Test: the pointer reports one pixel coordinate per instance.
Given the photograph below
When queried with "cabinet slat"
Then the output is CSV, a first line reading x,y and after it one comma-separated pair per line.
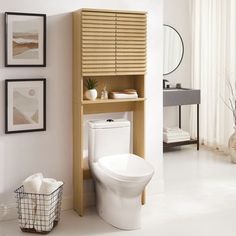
x,y
130,47
130,72
99,50
140,50
130,69
112,62
100,42
99,18
102,73
130,15
109,34
131,38
98,58
96,13
128,21
131,62
98,26
123,42
98,70
130,34
97,54
107,38
131,66
96,21
130,54
99,46
136,31
132,27
98,30
99,66
130,58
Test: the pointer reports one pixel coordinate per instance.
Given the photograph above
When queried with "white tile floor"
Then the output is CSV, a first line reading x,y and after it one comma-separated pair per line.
x,y
199,200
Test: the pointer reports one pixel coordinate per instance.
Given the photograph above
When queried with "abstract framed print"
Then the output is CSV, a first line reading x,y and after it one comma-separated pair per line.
x,y
25,39
25,105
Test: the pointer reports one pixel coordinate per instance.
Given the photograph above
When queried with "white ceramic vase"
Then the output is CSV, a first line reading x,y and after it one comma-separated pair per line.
x,y
232,146
91,94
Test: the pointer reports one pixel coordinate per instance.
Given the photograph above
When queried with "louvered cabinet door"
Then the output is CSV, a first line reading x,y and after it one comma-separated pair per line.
x,y
98,43
130,43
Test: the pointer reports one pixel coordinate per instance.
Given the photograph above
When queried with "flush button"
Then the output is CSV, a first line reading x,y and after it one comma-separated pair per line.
x,y
110,120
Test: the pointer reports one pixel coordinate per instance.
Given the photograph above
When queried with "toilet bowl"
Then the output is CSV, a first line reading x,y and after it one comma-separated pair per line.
x,y
120,177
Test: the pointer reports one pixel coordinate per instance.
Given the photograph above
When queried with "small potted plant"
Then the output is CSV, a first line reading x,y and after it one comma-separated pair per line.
x,y
91,92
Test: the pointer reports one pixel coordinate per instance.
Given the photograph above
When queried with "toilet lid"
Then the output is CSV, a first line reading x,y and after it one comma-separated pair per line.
x,y
126,166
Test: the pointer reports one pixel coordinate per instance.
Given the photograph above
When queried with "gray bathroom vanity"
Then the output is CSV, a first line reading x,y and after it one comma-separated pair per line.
x,y
179,97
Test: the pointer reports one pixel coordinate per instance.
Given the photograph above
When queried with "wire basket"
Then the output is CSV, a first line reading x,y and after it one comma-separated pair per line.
x,y
38,213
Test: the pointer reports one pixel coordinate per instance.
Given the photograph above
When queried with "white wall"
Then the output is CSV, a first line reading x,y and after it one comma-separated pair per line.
x,y
177,14
50,152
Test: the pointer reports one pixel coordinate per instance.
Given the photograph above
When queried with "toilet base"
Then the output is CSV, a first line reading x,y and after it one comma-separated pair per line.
x,y
123,213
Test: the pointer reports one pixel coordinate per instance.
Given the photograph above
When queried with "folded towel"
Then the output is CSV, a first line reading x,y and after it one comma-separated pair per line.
x,y
27,212
166,140
33,183
175,136
115,95
168,129
183,135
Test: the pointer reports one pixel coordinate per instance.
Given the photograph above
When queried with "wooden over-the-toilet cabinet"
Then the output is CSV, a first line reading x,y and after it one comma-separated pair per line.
x,y
109,46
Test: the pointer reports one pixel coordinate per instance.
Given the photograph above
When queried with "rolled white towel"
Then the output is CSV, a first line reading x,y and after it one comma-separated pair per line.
x,y
48,186
27,212
33,183
46,205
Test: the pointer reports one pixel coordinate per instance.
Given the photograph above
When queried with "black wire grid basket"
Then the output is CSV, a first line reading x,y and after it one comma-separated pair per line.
x,y
38,213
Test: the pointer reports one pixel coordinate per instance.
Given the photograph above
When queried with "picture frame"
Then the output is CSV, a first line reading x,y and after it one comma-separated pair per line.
x,y
25,39
25,105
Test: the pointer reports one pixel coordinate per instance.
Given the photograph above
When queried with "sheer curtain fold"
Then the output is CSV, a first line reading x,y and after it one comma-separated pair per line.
x,y
213,64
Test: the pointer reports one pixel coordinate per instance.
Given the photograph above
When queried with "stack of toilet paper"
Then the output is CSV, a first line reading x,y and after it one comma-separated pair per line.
x,y
38,206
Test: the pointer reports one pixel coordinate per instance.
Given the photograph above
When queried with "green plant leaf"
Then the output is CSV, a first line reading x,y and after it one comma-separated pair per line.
x,y
91,83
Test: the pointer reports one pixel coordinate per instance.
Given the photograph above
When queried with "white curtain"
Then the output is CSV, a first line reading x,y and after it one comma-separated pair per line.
x,y
213,64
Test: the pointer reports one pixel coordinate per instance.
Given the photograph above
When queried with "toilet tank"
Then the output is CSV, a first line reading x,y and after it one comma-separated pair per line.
x,y
108,137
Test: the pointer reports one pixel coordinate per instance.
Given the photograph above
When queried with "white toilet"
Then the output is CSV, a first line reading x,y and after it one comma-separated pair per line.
x,y
120,177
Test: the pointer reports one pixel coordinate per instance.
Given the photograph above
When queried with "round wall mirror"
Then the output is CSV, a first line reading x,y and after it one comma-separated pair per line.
x,y
173,49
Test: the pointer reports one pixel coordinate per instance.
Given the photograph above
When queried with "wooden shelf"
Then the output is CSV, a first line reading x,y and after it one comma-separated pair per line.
x,y
85,102
175,144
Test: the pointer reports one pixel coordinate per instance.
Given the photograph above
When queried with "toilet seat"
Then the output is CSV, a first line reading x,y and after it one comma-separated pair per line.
x,y
126,167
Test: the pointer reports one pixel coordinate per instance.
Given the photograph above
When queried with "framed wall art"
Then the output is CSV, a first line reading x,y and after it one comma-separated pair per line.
x,y
25,105
25,39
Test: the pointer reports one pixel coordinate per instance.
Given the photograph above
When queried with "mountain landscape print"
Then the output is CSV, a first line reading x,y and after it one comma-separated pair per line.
x,y
25,106
25,40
